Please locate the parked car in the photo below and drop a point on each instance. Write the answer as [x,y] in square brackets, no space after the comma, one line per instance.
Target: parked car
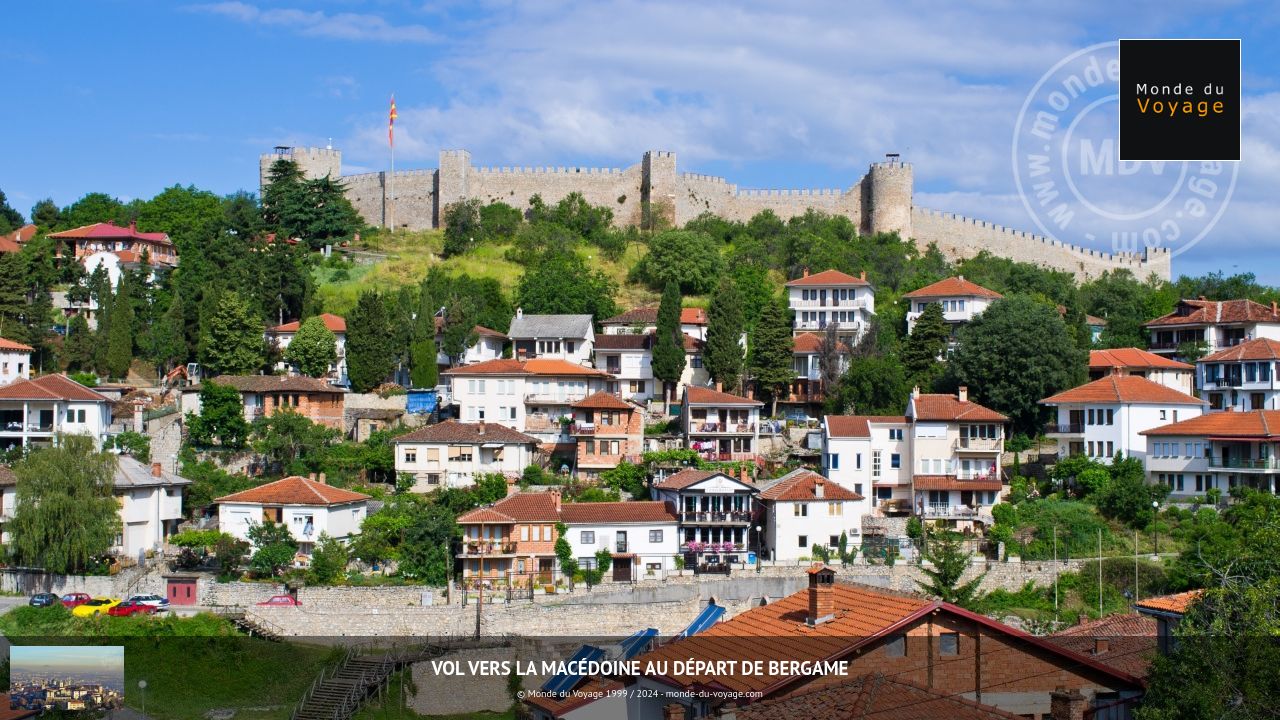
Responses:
[72,600]
[281,601]
[155,601]
[44,600]
[95,606]
[132,607]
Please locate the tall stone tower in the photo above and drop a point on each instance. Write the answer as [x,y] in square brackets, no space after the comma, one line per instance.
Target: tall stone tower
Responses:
[453,181]
[658,186]
[886,202]
[313,162]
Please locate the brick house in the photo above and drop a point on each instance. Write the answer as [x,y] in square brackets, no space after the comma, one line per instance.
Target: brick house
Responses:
[452,454]
[265,395]
[512,541]
[719,425]
[607,431]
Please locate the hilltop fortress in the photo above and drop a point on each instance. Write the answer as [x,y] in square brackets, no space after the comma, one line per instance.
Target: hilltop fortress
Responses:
[881,201]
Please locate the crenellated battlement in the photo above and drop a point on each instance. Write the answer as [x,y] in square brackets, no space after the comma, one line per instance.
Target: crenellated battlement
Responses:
[770,192]
[505,170]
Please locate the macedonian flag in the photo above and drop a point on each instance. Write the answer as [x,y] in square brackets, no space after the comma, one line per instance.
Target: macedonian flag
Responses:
[391,123]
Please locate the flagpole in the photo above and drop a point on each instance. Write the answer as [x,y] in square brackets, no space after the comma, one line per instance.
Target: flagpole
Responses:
[391,137]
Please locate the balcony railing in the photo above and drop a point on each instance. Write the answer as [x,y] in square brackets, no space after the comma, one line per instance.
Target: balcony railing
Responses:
[978,477]
[488,547]
[582,429]
[1064,429]
[742,517]
[30,427]
[858,304]
[556,398]
[728,456]
[1269,463]
[982,444]
[727,428]
[1163,345]
[945,510]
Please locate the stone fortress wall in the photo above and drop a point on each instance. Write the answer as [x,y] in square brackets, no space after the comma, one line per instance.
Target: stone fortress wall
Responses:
[880,201]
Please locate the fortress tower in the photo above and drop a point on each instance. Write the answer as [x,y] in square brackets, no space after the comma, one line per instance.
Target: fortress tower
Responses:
[658,186]
[886,201]
[313,162]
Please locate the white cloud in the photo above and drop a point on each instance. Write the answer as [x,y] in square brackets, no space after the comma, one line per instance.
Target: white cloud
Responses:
[339,26]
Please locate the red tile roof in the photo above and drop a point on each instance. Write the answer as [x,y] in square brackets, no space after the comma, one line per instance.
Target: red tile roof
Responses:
[585,693]
[649,316]
[49,387]
[294,490]
[489,332]
[8,712]
[1177,604]
[1204,312]
[1130,641]
[22,234]
[276,383]
[520,507]
[536,366]
[1132,358]
[953,287]
[802,485]
[7,245]
[687,477]
[604,513]
[11,345]
[1257,349]
[108,231]
[1122,389]
[951,482]
[828,278]
[872,696]
[859,425]
[623,341]
[452,431]
[335,323]
[810,343]
[948,407]
[691,343]
[602,401]
[1251,424]
[708,396]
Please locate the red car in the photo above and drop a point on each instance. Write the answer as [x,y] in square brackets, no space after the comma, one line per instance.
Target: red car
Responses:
[71,600]
[132,607]
[281,601]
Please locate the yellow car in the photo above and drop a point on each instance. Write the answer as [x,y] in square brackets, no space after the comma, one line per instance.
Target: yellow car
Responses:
[96,606]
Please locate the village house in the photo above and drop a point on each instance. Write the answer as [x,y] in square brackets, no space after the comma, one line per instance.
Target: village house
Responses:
[629,359]
[956,451]
[552,337]
[33,412]
[1212,324]
[281,335]
[15,361]
[641,536]
[482,344]
[720,426]
[870,455]
[802,509]
[1133,361]
[1125,641]
[453,454]
[832,297]
[1219,450]
[150,499]
[961,300]
[116,249]
[1167,611]
[717,513]
[265,395]
[1243,377]
[511,542]
[1107,416]
[308,507]
[644,321]
[806,394]
[607,432]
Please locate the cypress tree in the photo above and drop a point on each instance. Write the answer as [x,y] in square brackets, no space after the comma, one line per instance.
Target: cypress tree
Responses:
[668,346]
[771,357]
[723,353]
[120,335]
[927,343]
[370,346]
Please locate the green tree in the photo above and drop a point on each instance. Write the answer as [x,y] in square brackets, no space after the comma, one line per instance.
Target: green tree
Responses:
[564,551]
[314,348]
[65,515]
[120,335]
[370,348]
[77,348]
[950,558]
[46,215]
[169,340]
[771,357]
[668,346]
[185,213]
[1127,497]
[626,477]
[1015,353]
[424,372]
[286,438]
[500,221]
[92,208]
[221,419]
[274,546]
[926,343]
[560,282]
[231,343]
[690,259]
[871,386]
[462,229]
[10,219]
[328,560]
[723,354]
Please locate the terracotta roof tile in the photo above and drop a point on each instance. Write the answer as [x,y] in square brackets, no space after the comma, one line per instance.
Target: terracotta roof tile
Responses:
[604,513]
[809,343]
[685,478]
[1251,424]
[802,485]
[49,387]
[554,366]
[520,507]
[536,366]
[1122,389]
[649,316]
[828,277]
[847,426]
[452,431]
[1257,349]
[872,696]
[624,341]
[951,482]
[6,344]
[1130,641]
[22,234]
[953,287]
[584,693]
[1205,312]
[692,344]
[708,396]
[501,366]
[335,323]
[7,478]
[294,490]
[603,401]
[1132,358]
[277,383]
[108,231]
[949,407]
[488,332]
[1178,603]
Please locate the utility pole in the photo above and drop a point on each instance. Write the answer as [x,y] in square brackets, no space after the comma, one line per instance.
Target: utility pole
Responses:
[480,584]
[1055,572]
[1099,572]
[1135,567]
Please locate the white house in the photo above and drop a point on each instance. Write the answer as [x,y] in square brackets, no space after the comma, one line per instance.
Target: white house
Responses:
[33,412]
[1133,361]
[150,505]
[956,451]
[802,509]
[488,345]
[641,536]
[832,297]
[628,358]
[307,507]
[719,425]
[716,511]
[807,392]
[1242,377]
[282,335]
[962,300]
[644,321]
[15,361]
[452,454]
[1218,324]
[559,337]
[1107,416]
[1217,450]
[869,455]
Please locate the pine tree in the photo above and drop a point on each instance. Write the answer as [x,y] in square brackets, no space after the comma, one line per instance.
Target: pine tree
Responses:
[668,346]
[13,295]
[950,559]
[370,347]
[424,372]
[231,343]
[771,357]
[927,343]
[168,339]
[120,336]
[77,350]
[723,352]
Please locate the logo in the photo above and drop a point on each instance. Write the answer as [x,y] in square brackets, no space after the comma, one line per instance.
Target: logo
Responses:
[1067,167]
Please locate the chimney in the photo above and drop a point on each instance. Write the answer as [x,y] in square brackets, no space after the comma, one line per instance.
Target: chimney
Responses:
[555,497]
[312,477]
[321,479]
[137,416]
[822,601]
[1202,298]
[960,278]
[863,276]
[1066,704]
[519,312]
[806,273]
[963,395]
[719,386]
[742,474]
[1101,645]
[674,711]
[915,391]
[1275,307]
[751,393]
[480,430]
[156,470]
[818,490]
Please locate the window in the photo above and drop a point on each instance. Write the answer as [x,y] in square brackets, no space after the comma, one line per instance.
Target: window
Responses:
[655,536]
[1091,417]
[801,510]
[835,541]
[1111,416]
[695,361]
[896,646]
[857,461]
[802,541]
[588,537]
[949,643]
[1164,414]
[835,508]
[875,463]
[857,487]
[1111,448]
[895,433]
[835,461]
[524,533]
[411,455]
[895,460]
[546,533]
[433,479]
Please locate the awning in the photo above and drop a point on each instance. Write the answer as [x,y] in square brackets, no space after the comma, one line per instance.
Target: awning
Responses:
[493,445]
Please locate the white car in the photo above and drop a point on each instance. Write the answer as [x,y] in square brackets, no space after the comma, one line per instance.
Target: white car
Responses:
[155,601]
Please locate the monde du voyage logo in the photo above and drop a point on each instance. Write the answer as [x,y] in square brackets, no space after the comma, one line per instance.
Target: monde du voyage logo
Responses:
[1128,146]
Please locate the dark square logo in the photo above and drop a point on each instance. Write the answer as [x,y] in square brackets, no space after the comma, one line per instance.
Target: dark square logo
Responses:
[1179,100]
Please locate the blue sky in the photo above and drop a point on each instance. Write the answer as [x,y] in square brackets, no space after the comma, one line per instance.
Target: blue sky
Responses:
[70,658]
[130,97]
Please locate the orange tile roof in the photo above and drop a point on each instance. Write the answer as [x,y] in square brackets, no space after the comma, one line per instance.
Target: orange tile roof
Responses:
[536,366]
[500,366]
[6,344]
[809,343]
[22,234]
[802,485]
[951,482]
[872,696]
[1205,312]
[584,693]
[604,513]
[1122,389]
[931,406]
[489,332]
[1131,641]
[8,712]
[1251,424]
[335,323]
[847,426]
[1178,603]
[554,366]
[294,490]
[687,477]
[953,287]
[602,401]
[1257,349]
[8,245]
[709,396]
[649,316]
[692,344]
[49,387]
[1132,358]
[452,431]
[521,507]
[828,277]
[110,230]
[623,341]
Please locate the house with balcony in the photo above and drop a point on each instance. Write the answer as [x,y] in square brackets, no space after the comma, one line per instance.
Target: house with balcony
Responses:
[957,447]
[15,361]
[281,335]
[803,509]
[961,300]
[644,321]
[629,359]
[511,542]
[717,515]
[1242,377]
[1217,450]
[607,431]
[720,426]
[307,507]
[33,412]
[150,500]
[807,393]
[1108,416]
[642,536]
[316,399]
[1158,369]
[1213,324]
[870,455]
[116,249]
[552,337]
[453,454]
[832,297]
